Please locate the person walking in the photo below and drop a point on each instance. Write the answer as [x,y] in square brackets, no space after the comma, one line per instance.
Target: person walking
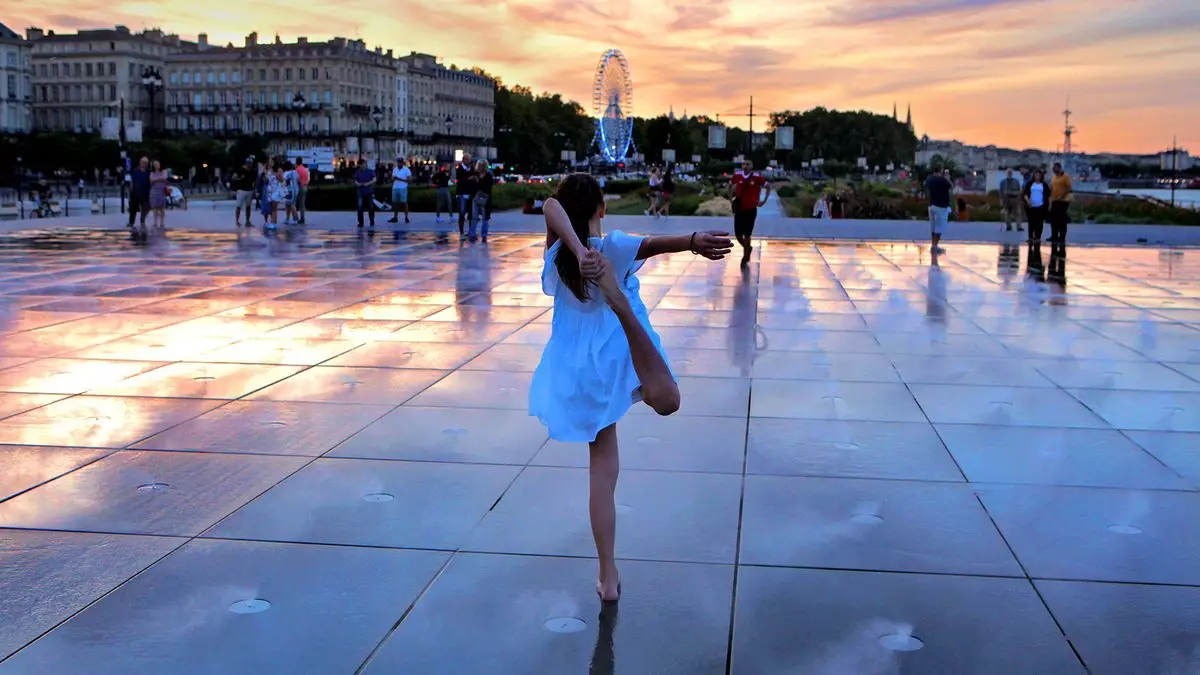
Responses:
[666,193]
[1011,200]
[158,195]
[441,185]
[654,192]
[1061,193]
[242,184]
[139,192]
[1037,199]
[481,202]
[603,356]
[302,178]
[746,189]
[401,177]
[291,189]
[938,188]
[276,195]
[364,181]
[464,173]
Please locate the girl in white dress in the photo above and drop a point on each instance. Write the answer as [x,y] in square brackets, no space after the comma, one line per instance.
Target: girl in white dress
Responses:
[602,356]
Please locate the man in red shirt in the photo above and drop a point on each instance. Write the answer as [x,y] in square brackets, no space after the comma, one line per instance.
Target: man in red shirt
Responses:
[746,191]
[302,177]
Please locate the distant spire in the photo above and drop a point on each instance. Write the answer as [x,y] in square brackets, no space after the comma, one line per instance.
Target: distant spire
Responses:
[894,117]
[671,115]
[908,118]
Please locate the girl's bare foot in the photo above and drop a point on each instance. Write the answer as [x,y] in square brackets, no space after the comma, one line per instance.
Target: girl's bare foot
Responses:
[609,590]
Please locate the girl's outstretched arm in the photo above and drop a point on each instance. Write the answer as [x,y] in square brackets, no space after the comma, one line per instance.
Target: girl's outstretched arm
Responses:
[712,245]
[558,226]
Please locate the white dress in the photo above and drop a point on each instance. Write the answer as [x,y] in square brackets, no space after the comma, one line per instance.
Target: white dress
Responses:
[585,381]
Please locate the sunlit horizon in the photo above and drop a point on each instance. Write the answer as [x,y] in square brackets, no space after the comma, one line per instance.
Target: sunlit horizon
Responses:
[978,71]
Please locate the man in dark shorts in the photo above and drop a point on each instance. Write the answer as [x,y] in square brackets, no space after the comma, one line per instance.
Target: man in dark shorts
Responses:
[139,192]
[746,191]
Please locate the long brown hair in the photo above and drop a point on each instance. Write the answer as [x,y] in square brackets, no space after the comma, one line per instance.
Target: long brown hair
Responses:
[580,196]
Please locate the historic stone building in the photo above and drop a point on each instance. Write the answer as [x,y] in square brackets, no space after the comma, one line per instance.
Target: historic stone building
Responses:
[16,98]
[80,78]
[302,93]
[449,109]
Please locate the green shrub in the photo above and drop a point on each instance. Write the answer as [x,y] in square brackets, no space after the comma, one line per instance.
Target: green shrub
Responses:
[786,191]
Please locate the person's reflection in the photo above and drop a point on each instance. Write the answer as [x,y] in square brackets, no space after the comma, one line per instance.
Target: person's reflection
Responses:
[742,337]
[473,288]
[1035,271]
[1057,275]
[604,655]
[935,293]
[1008,263]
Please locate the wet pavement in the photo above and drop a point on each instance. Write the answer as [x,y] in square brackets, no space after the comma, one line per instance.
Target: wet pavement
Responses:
[310,454]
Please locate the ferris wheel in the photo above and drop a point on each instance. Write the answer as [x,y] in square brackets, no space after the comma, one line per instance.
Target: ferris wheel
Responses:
[612,104]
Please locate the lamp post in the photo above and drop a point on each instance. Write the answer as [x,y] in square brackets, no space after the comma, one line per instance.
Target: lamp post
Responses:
[376,117]
[153,82]
[449,128]
[299,105]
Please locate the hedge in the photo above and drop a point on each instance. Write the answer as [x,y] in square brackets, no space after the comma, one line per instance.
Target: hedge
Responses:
[422,199]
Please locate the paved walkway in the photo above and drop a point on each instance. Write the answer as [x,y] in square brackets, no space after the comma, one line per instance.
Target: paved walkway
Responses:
[309,454]
[218,217]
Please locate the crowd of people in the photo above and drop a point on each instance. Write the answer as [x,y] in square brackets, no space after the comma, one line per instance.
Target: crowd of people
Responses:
[269,187]
[149,192]
[1035,200]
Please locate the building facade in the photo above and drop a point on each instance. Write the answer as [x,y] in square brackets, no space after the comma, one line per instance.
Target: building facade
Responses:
[1175,159]
[81,78]
[448,109]
[16,98]
[302,94]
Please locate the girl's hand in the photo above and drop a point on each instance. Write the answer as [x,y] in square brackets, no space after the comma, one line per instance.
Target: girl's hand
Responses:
[713,245]
[607,282]
[592,265]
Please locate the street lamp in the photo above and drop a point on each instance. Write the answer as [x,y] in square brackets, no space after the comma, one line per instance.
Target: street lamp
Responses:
[153,82]
[299,105]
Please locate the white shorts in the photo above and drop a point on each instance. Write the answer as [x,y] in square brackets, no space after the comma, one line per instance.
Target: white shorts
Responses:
[938,217]
[244,199]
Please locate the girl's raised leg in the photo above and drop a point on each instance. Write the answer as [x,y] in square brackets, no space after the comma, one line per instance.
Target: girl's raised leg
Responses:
[603,470]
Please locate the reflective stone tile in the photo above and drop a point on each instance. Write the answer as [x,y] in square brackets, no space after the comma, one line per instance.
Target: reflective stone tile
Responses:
[24,467]
[1082,457]
[848,449]
[870,524]
[1124,628]
[1004,406]
[373,503]
[1145,411]
[825,366]
[532,334]
[325,384]
[373,310]
[12,404]
[507,357]
[54,341]
[478,389]
[148,347]
[268,428]
[10,361]
[69,376]
[48,576]
[201,380]
[684,517]
[456,332]
[675,443]
[448,435]
[409,355]
[1002,372]
[147,493]
[965,624]
[1112,374]
[1176,450]
[948,346]
[328,609]
[279,351]
[877,402]
[99,421]
[1095,534]
[338,329]
[710,396]
[441,635]
[817,340]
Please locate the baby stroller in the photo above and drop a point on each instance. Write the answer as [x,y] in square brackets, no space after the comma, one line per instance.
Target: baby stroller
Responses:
[175,198]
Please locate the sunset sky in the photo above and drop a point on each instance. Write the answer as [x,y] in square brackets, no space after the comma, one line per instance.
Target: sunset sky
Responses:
[981,71]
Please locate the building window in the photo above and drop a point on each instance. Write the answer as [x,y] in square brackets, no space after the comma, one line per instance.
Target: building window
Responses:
[112,68]
[173,77]
[302,73]
[187,77]
[212,77]
[287,74]
[314,74]
[78,73]
[197,77]
[222,98]
[87,118]
[88,69]
[275,124]
[196,100]
[174,98]
[54,69]
[274,98]
[236,76]
[209,99]
[42,70]
[262,74]
[221,77]
[328,97]
[112,92]
[131,71]
[275,74]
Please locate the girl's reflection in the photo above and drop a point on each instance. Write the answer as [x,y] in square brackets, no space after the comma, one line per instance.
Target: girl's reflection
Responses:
[604,655]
